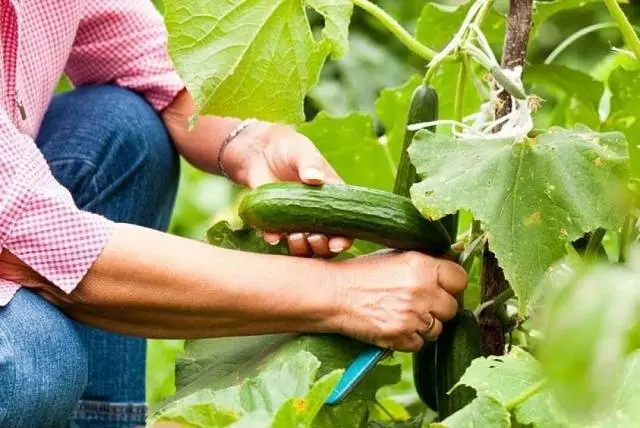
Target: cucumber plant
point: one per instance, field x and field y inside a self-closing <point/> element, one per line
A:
<point x="537" y="195"/>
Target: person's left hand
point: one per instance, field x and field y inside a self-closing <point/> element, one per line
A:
<point x="264" y="153"/>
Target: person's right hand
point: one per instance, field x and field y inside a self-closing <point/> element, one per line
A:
<point x="391" y="300"/>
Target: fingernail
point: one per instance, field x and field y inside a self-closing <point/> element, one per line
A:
<point x="335" y="248"/>
<point x="312" y="174"/>
<point x="296" y="236"/>
<point x="272" y="241"/>
<point x="314" y="238"/>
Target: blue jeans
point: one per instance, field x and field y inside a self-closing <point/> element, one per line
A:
<point x="111" y="150"/>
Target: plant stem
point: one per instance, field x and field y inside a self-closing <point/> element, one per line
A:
<point x="594" y="244"/>
<point x="575" y="36"/>
<point x="458" y="104"/>
<point x="525" y="395"/>
<point x="497" y="301"/>
<point x="628" y="33"/>
<point x="482" y="13"/>
<point x="493" y="280"/>
<point x="392" y="25"/>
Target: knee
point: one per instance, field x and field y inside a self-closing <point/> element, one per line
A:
<point x="43" y="363"/>
<point x="109" y="123"/>
<point x="105" y="140"/>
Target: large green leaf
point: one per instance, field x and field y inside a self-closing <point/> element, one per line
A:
<point x="591" y="321"/>
<point x="252" y="378"/>
<point x="483" y="411"/>
<point x="626" y="400"/>
<point x="532" y="196"/>
<point x="506" y="377"/>
<point x="625" y="111"/>
<point x="352" y="148"/>
<point x="253" y="58"/>
<point x="283" y="393"/>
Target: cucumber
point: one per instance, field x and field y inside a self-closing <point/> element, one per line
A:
<point x="424" y="374"/>
<point x="343" y="210"/>
<point x="458" y="345"/>
<point x="423" y="107"/>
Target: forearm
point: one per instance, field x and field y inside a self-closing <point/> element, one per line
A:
<point x="151" y="284"/>
<point x="200" y="145"/>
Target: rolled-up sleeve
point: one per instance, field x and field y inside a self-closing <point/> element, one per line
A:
<point x="124" y="42"/>
<point x="39" y="221"/>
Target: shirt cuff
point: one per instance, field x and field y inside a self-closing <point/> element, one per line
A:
<point x="55" y="238"/>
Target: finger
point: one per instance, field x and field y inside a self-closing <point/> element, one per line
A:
<point x="308" y="161"/>
<point x="298" y="245"/>
<point x="320" y="245"/>
<point x="411" y="343"/>
<point x="338" y="244"/>
<point x="271" y="238"/>
<point x="450" y="276"/>
<point x="444" y="306"/>
<point x="430" y="331"/>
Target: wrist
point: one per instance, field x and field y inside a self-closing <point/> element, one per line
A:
<point x="237" y="152"/>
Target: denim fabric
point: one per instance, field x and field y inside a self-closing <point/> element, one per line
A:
<point x="110" y="149"/>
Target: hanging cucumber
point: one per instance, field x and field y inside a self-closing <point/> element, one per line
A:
<point x="458" y="345"/>
<point x="339" y="209"/>
<point x="423" y="107"/>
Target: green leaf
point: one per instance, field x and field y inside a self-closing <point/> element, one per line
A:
<point x="439" y="23"/>
<point x="625" y="108"/>
<point x="284" y="389"/>
<point x="249" y="58"/>
<point x="506" y="377"/>
<point x="222" y="235"/>
<point x="626" y="400"/>
<point x="483" y="411"/>
<point x="533" y="196"/>
<point x="391" y="108"/>
<point x="591" y="321"/>
<point x="258" y="377"/>
<point x="351" y="147"/>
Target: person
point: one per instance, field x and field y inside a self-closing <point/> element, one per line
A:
<point x="88" y="180"/>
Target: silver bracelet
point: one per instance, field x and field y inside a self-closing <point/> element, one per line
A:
<point x="233" y="134"/>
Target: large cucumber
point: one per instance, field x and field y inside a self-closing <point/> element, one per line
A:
<point x="458" y="345"/>
<point x="339" y="209"/>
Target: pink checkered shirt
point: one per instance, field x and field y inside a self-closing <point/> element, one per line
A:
<point x="93" y="41"/>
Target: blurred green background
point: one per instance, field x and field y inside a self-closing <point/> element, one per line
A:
<point x="375" y="61"/>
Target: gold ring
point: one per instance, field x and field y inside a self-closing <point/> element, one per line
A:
<point x="431" y="324"/>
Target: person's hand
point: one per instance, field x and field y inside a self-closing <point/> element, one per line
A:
<point x="265" y="153"/>
<point x="396" y="301"/>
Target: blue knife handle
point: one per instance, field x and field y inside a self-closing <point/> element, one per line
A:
<point x="354" y="373"/>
